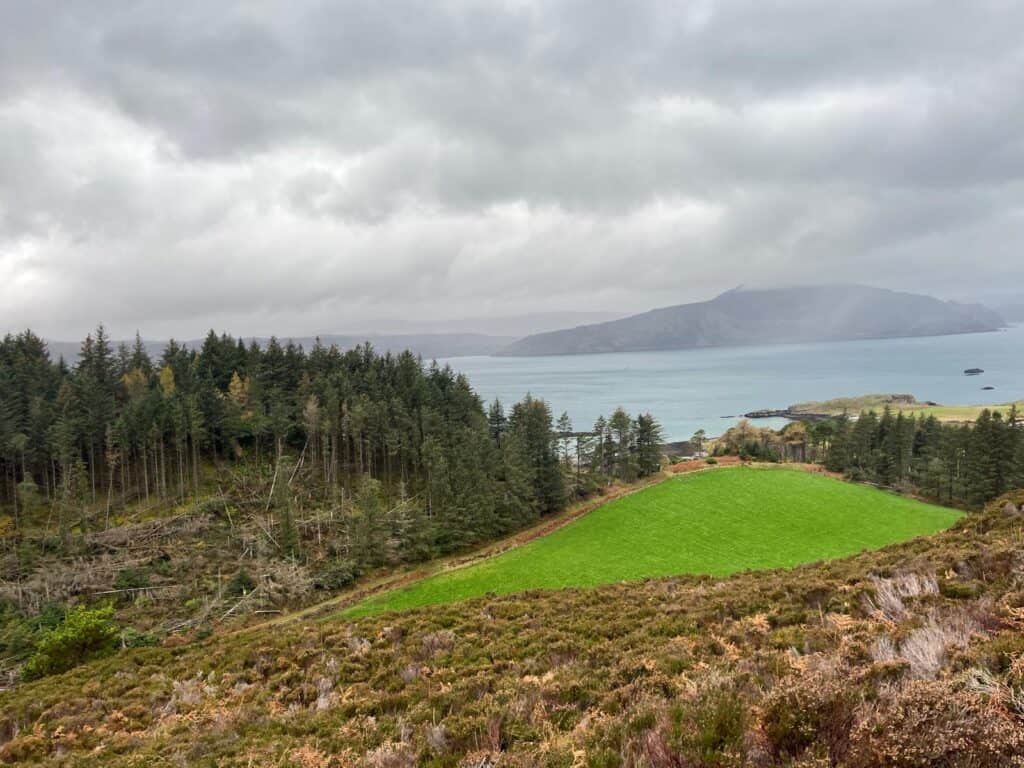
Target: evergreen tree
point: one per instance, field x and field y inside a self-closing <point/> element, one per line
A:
<point x="620" y="426"/>
<point x="564" y="429"/>
<point x="446" y="471"/>
<point x="698" y="441"/>
<point x="956" y="464"/>
<point x="531" y="424"/>
<point x="649" y="440"/>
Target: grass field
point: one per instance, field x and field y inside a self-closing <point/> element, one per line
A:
<point x="855" y="405"/>
<point x="715" y="523"/>
<point x="960" y="413"/>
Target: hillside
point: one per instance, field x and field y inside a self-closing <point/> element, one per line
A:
<point x="1014" y="312"/>
<point x="903" y="657"/>
<point x="233" y="481"/>
<point x="770" y="316"/>
<point x="715" y="522"/>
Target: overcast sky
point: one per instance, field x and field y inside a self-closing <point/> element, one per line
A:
<point x="313" y="167"/>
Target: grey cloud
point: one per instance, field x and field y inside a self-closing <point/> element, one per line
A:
<point x="307" y="166"/>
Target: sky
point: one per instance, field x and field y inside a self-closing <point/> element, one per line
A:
<point x="327" y="167"/>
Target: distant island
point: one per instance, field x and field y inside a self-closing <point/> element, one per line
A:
<point x="906" y="404"/>
<point x="769" y="316"/>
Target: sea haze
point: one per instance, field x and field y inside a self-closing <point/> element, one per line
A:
<point x="709" y="389"/>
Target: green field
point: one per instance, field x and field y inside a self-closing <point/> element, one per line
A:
<point x="854" y="406"/>
<point x="715" y="523"/>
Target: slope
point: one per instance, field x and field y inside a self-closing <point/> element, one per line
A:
<point x="819" y="665"/>
<point x="716" y="523"/>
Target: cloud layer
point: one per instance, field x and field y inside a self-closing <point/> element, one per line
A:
<point x="301" y="167"/>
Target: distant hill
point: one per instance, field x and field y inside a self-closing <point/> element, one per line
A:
<point x="1014" y="312"/>
<point x="769" y="316"/>
<point x="1008" y="303"/>
<point x="515" y="326"/>
<point x="431" y="339"/>
<point x="429" y="345"/>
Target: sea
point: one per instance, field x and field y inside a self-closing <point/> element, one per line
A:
<point x="711" y="389"/>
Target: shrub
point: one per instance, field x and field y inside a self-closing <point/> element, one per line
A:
<point x="83" y="635"/>
<point x="162" y="566"/>
<point x="709" y="730"/>
<point x="19" y="633"/>
<point x="241" y="584"/>
<point x="132" y="638"/>
<point x="815" y="709"/>
<point x="436" y="643"/>
<point x="131" y="578"/>
<point x="1000" y="653"/>
<point x="336" y="574"/>
<point x="721" y="725"/>
<point x="710" y="460"/>
<point x="27" y="749"/>
<point x="212" y="507"/>
<point x="933" y="724"/>
<point x="960" y="590"/>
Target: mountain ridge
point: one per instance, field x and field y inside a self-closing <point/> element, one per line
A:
<point x="744" y="316"/>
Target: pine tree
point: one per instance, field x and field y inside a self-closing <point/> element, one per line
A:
<point x="564" y="429"/>
<point x="698" y="441"/>
<point x="649" y="440"/>
<point x="532" y="424"/>
<point x="496" y="421"/>
<point x="620" y="425"/>
<point x="450" y="471"/>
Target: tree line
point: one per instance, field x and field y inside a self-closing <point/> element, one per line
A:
<point x="964" y="464"/>
<point x="953" y="463"/>
<point x="408" y="449"/>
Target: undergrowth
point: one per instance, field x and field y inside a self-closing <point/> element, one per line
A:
<point x="866" y="661"/>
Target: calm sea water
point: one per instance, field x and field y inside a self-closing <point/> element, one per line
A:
<point x="708" y="389"/>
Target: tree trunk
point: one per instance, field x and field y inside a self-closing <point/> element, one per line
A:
<point x="181" y="473"/>
<point x="14" y="487"/>
<point x="195" y="465"/>
<point x="163" y="469"/>
<point x="110" y="491"/>
<point x="92" y="470"/>
<point x="145" y="472"/>
<point x="334" y="458"/>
